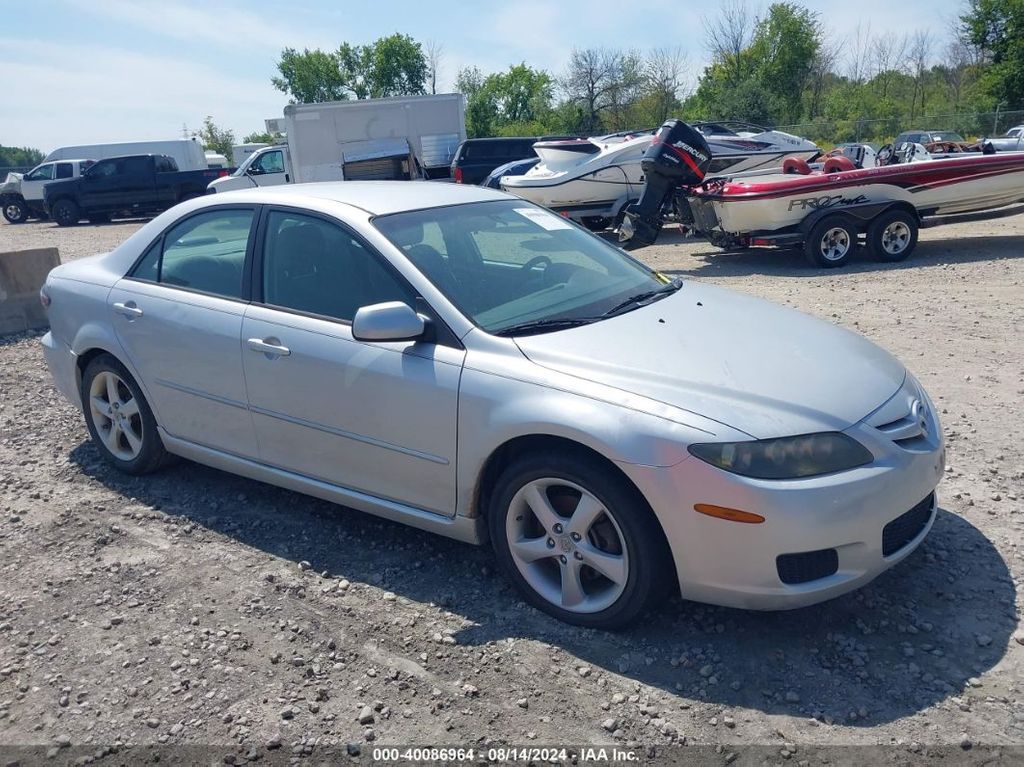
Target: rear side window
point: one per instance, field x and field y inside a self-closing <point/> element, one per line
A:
<point x="64" y="170"/>
<point x="205" y="252"/>
<point x="135" y="166"/>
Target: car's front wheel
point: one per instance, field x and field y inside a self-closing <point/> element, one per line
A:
<point x="580" y="543"/>
<point x="15" y="210"/>
<point x="119" y="419"/>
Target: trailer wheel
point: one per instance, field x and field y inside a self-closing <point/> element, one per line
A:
<point x="831" y="241"/>
<point x="892" y="236"/>
<point x="15" y="210"/>
<point x="66" y="212"/>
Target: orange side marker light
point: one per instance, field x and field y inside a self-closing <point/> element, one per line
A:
<point x="732" y="515"/>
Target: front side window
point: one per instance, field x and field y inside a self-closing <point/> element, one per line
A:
<point x="205" y="252"/>
<point x="42" y="173"/>
<point x="508" y="263"/>
<point x="314" y="266"/>
<point x="271" y="162"/>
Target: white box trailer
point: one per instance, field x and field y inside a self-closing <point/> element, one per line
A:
<point x="402" y="137"/>
<point x="188" y="154"/>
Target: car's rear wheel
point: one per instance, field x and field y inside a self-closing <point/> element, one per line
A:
<point x="580" y="543"/>
<point x="119" y="419"/>
<point x="66" y="213"/>
<point x="831" y="242"/>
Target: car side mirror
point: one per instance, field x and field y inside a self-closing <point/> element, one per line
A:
<point x="389" y="321"/>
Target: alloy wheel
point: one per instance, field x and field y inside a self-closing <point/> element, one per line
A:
<point x="116" y="416"/>
<point x="567" y="545"/>
<point x="835" y="244"/>
<point x="896" y="238"/>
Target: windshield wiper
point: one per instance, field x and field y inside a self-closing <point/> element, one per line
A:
<point x="647" y="297"/>
<point x="539" y="326"/>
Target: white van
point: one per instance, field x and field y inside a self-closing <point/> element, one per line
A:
<point x="187" y="153"/>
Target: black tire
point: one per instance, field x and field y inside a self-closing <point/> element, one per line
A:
<point x="892" y="236"/>
<point x="827" y="239"/>
<point x="15" y="210"/>
<point x="650" y="574"/>
<point x="596" y="223"/>
<point x="152" y="455"/>
<point x="65" y="213"/>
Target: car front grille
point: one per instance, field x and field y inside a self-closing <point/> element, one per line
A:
<point x="807" y="566"/>
<point x="906" y="527"/>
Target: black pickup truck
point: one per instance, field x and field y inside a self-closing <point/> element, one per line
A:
<point x="124" y="186"/>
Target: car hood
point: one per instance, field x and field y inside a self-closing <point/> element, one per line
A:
<point x="11" y="184"/>
<point x="758" y="367"/>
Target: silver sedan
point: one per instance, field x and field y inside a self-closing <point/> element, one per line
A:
<point x="473" y="365"/>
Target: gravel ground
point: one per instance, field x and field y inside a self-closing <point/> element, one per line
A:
<point x="195" y="607"/>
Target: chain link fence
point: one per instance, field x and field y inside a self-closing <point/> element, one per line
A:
<point x="882" y="129"/>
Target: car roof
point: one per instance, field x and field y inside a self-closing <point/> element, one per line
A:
<point x="374" y="197"/>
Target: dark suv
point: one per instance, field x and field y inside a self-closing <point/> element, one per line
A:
<point x="477" y="157"/>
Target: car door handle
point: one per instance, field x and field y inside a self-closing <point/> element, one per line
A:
<point x="269" y="346"/>
<point x="129" y="309"/>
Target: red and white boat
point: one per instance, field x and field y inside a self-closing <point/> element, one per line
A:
<point x="830" y="208"/>
<point x="769" y="203"/>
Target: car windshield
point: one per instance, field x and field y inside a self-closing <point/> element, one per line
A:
<point x="946" y="136"/>
<point x="511" y="266"/>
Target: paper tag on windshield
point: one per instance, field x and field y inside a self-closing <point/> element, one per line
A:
<point x="543" y="218"/>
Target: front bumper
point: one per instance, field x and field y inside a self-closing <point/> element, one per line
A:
<point x="736" y="564"/>
<point x="63" y="365"/>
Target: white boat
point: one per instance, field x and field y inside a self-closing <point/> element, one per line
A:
<point x="592" y="180"/>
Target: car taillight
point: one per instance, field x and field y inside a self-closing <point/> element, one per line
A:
<point x="44" y="297"/>
<point x="458" y="175"/>
<point x="222" y="173"/>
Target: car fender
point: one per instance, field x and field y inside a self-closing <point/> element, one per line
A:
<point x="494" y="410"/>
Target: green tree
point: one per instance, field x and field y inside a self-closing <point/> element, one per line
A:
<point x="786" y="43"/>
<point x="765" y="81"/>
<point x="310" y="77"/>
<point x="261" y="138"/>
<point x="17" y="157"/>
<point x="395" y="66"/>
<point x="390" y="66"/>
<point x="996" y="27"/>
<point x="517" y="101"/>
<point x="214" y="138"/>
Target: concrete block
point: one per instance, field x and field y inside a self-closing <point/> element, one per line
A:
<point x="22" y="274"/>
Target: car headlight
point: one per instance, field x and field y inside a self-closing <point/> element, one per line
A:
<point x="807" y="455"/>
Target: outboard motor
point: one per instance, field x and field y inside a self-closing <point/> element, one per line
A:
<point x="678" y="157"/>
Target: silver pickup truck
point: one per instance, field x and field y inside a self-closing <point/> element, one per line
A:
<point x="21" y="195"/>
